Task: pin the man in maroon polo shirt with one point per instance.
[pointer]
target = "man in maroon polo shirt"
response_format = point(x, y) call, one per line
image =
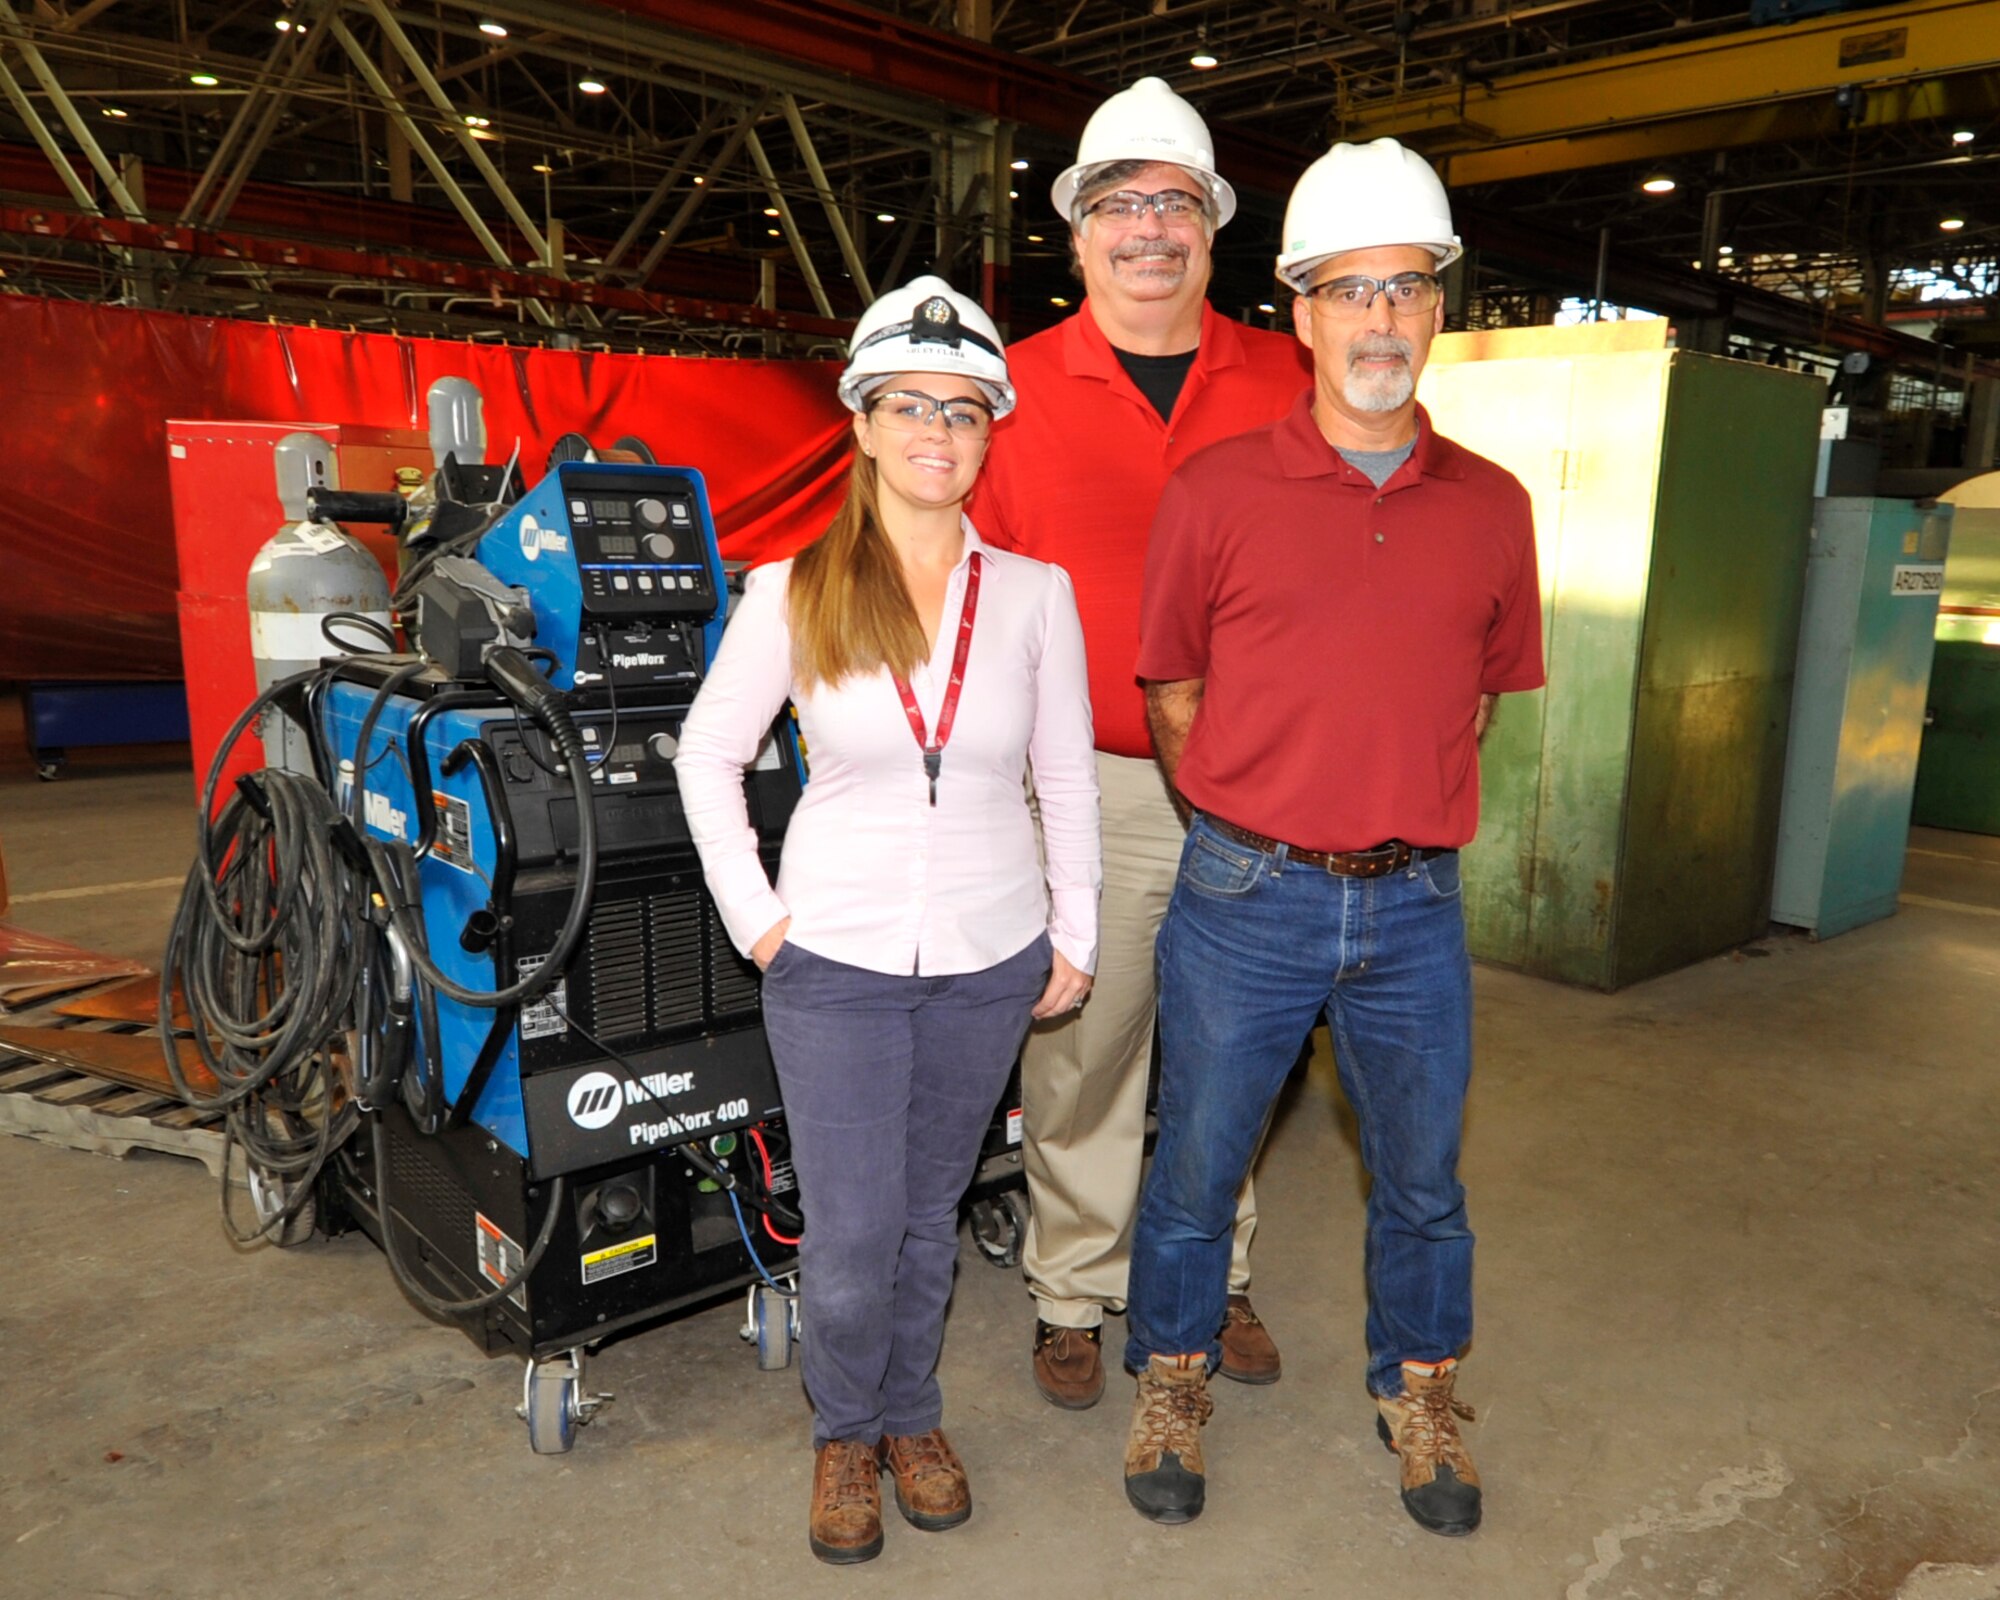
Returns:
point(1111, 401)
point(1331, 605)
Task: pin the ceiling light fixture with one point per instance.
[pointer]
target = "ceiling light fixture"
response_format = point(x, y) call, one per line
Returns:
point(1659, 183)
point(1266, 307)
point(284, 24)
point(543, 167)
point(474, 120)
point(1013, 194)
point(770, 211)
point(492, 29)
point(203, 80)
point(885, 216)
point(1952, 224)
point(1203, 59)
point(1057, 300)
point(1962, 136)
point(117, 111)
point(1726, 249)
point(1019, 164)
point(590, 85)
point(700, 180)
point(1034, 238)
point(773, 232)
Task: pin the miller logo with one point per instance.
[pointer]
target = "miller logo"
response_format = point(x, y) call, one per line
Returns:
point(595, 1099)
point(535, 539)
point(936, 322)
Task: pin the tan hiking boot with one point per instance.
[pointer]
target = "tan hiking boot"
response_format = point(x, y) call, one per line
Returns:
point(1440, 1483)
point(1249, 1354)
point(1069, 1365)
point(931, 1490)
point(1163, 1464)
point(846, 1524)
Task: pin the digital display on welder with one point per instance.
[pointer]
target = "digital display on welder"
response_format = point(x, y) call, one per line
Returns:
point(640, 548)
point(627, 754)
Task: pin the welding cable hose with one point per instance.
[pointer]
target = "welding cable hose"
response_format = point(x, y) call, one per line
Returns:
point(515, 677)
point(425, 1300)
point(266, 948)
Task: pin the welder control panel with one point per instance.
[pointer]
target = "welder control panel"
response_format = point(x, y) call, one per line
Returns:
point(640, 547)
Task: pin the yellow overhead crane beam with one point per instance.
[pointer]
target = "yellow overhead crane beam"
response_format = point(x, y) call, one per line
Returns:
point(1925, 58)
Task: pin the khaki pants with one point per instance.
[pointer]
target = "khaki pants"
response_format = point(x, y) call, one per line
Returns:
point(1083, 1077)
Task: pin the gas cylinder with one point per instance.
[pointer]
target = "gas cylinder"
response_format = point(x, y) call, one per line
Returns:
point(305, 571)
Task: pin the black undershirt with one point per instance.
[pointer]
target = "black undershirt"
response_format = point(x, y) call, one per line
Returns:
point(1159, 378)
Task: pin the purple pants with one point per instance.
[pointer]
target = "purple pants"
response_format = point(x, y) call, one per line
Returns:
point(889, 1085)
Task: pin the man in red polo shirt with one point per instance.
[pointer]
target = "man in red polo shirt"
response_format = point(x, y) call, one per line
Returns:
point(1331, 605)
point(1112, 401)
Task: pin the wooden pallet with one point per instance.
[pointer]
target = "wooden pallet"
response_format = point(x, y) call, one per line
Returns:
point(58, 1105)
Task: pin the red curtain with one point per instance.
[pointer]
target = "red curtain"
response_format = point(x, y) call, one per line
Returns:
point(87, 565)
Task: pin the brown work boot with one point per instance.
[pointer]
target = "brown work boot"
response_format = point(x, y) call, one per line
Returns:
point(846, 1524)
point(1440, 1483)
point(1163, 1465)
point(1248, 1353)
point(931, 1490)
point(1069, 1365)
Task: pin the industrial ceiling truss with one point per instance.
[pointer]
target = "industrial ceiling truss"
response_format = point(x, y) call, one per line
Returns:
point(743, 177)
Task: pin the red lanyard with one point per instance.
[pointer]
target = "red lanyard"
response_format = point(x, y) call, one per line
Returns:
point(933, 749)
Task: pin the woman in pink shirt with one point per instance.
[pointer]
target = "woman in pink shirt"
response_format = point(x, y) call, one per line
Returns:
point(915, 927)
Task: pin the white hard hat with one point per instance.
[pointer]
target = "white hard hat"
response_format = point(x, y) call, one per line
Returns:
point(1361, 197)
point(926, 326)
point(1147, 122)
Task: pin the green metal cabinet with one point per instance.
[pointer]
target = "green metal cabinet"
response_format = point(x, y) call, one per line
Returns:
point(1872, 586)
point(1629, 811)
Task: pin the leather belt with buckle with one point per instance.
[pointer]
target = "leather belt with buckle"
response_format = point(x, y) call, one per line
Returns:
point(1379, 862)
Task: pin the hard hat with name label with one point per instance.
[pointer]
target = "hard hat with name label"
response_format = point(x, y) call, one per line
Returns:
point(1362, 197)
point(926, 326)
point(1147, 122)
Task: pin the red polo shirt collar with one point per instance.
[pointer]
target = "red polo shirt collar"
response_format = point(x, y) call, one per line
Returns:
point(1087, 353)
point(1302, 450)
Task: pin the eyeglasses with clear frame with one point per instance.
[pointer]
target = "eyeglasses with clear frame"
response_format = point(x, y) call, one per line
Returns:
point(912, 411)
point(1409, 294)
point(1171, 206)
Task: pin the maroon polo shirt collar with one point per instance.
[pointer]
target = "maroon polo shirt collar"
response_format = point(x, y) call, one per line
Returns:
point(1302, 450)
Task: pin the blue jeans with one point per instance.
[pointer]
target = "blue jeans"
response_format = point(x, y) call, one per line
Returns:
point(1255, 948)
point(889, 1085)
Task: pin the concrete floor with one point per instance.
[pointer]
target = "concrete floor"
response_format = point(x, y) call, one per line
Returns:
point(1739, 1322)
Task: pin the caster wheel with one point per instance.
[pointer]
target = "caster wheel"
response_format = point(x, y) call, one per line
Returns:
point(552, 1407)
point(774, 1330)
point(999, 1225)
point(48, 770)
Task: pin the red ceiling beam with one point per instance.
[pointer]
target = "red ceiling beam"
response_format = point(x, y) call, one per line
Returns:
point(392, 269)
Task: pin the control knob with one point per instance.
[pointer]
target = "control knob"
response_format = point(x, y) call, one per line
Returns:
point(660, 546)
point(650, 512)
point(663, 746)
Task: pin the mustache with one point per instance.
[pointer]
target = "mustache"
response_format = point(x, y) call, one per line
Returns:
point(1375, 345)
point(1150, 249)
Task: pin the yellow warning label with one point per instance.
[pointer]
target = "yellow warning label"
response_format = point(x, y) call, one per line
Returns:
point(628, 1256)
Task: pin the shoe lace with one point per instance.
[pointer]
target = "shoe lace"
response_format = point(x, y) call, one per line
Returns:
point(919, 1454)
point(1430, 1426)
point(1174, 1414)
point(1242, 1313)
point(852, 1480)
point(1056, 1339)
